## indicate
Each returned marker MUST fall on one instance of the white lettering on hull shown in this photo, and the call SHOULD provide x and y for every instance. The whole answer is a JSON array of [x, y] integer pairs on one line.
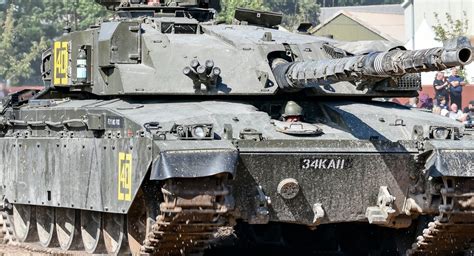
[[324, 164]]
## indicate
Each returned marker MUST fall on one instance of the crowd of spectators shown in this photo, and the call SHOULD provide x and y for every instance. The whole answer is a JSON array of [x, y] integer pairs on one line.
[[448, 98]]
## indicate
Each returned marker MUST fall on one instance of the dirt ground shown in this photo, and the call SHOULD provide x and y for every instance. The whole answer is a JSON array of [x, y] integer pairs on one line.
[[11, 250]]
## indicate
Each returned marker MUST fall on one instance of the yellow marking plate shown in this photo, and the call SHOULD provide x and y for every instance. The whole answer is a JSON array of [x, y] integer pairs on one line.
[[61, 63], [125, 177]]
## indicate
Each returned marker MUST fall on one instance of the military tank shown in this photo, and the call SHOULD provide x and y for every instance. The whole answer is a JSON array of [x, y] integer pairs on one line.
[[161, 131]]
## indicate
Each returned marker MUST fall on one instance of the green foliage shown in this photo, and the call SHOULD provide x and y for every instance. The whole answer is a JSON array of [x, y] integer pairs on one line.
[[228, 8], [15, 62], [28, 23], [462, 73], [451, 28], [85, 13], [295, 11], [332, 3]]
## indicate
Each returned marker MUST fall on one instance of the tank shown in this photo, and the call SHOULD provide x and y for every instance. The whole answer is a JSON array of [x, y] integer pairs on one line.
[[163, 132]]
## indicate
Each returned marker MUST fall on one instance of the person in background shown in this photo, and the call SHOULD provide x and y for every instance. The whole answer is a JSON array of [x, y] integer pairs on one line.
[[469, 108], [456, 83], [443, 103], [425, 102], [441, 85], [445, 112], [455, 113], [469, 112], [436, 110], [412, 102]]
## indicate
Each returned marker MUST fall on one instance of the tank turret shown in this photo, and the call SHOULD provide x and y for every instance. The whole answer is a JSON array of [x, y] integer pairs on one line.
[[152, 43]]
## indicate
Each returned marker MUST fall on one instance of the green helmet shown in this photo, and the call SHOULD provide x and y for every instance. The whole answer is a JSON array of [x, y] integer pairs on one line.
[[292, 109]]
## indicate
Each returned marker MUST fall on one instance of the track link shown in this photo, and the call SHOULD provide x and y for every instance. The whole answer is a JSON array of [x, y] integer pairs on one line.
[[452, 232], [6, 229], [190, 215]]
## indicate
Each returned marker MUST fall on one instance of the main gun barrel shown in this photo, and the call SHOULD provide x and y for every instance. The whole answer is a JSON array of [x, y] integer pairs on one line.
[[373, 66]]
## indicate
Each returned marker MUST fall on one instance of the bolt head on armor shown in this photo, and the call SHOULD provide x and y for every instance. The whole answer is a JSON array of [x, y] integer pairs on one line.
[[288, 188]]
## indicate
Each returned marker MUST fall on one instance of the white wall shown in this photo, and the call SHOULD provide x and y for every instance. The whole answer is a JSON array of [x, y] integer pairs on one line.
[[425, 9], [424, 20], [424, 38]]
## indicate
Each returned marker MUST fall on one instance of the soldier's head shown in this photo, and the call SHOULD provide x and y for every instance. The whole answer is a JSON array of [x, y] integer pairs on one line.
[[292, 112]]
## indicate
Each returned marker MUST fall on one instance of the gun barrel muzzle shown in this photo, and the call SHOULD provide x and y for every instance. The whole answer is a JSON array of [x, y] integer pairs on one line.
[[456, 57]]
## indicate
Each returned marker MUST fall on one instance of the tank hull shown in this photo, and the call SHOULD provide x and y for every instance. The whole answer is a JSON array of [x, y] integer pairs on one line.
[[122, 162]]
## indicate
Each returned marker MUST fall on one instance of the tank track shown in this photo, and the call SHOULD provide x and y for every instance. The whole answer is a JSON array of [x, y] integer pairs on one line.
[[7, 236], [452, 231], [190, 215], [6, 229]]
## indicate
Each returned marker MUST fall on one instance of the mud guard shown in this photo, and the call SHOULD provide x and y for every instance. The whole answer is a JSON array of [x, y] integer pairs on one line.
[[450, 158], [193, 159]]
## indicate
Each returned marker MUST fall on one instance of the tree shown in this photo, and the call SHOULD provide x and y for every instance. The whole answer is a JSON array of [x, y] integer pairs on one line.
[[30, 22], [451, 28], [228, 8], [15, 63], [86, 13], [332, 3], [295, 11]]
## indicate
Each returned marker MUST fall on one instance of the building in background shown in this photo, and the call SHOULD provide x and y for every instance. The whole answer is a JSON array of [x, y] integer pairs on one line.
[[328, 12], [355, 23]]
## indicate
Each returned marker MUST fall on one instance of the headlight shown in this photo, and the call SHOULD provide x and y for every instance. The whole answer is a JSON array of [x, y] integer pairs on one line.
[[440, 133], [199, 132]]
